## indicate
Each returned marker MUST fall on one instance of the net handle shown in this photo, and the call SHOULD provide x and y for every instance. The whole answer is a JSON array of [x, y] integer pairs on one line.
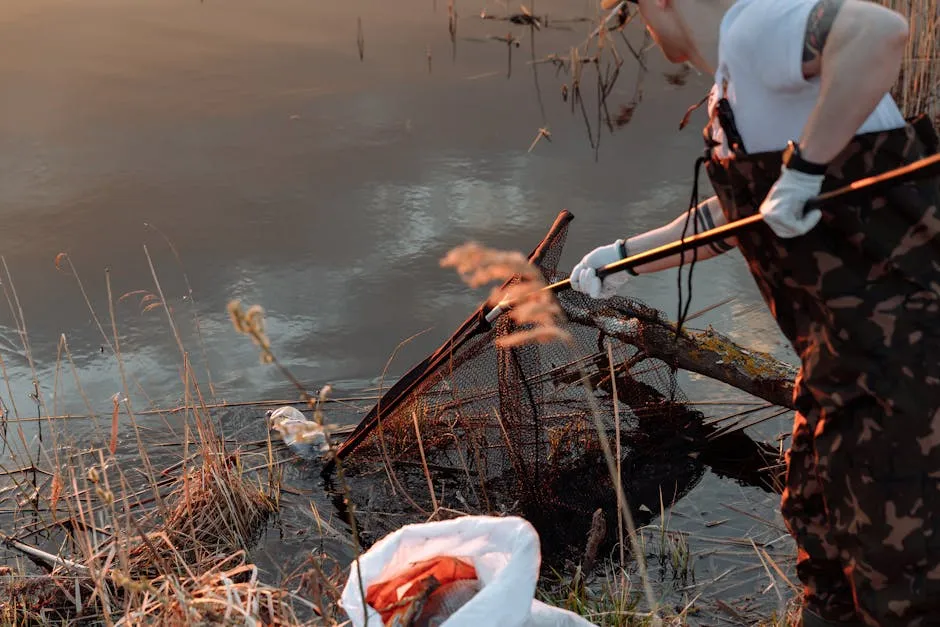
[[920, 169]]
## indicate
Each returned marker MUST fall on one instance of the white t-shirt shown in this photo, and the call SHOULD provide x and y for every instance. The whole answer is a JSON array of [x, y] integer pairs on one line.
[[760, 53]]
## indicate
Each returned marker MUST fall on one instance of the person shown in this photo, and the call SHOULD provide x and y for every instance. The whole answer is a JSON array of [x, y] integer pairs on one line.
[[801, 105]]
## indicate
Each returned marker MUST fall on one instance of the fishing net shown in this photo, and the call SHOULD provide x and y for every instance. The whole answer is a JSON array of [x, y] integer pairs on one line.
[[478, 428]]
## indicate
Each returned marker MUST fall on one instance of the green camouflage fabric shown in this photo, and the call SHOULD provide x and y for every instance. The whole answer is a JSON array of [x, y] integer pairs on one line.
[[859, 299]]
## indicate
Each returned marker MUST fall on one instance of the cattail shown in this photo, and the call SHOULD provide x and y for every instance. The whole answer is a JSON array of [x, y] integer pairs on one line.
[[535, 307]]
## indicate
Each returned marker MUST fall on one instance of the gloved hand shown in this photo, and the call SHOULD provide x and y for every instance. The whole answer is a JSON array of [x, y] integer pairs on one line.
[[784, 205], [584, 277]]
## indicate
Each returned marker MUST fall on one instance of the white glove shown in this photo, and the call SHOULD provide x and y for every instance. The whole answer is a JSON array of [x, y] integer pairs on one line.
[[584, 277], [784, 205]]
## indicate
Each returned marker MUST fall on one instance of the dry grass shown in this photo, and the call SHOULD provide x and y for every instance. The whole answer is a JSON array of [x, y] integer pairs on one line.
[[918, 88], [123, 543], [228, 592], [129, 554]]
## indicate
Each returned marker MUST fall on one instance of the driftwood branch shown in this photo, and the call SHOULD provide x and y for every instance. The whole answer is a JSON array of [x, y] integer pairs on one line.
[[712, 354], [42, 556], [704, 352]]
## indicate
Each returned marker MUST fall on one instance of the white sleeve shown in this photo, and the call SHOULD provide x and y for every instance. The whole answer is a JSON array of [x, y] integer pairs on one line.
[[769, 36]]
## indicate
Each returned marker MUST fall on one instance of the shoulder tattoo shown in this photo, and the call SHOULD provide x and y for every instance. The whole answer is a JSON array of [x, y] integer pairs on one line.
[[818, 27]]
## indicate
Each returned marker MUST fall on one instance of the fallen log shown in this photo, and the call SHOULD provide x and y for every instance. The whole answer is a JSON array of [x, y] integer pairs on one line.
[[707, 353]]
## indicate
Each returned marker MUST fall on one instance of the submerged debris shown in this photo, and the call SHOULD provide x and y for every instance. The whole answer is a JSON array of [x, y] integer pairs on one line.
[[305, 437]]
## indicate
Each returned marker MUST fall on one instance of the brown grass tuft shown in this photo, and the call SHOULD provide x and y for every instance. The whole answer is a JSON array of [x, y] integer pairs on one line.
[[212, 511], [226, 593]]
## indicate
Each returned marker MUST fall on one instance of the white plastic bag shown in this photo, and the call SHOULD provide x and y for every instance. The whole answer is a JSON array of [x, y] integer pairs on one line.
[[504, 551]]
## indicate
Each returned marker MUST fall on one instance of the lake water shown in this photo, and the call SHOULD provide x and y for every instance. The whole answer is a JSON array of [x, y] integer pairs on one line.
[[287, 172]]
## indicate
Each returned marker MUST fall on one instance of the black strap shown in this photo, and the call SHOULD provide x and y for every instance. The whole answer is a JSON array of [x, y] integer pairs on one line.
[[692, 215], [624, 253], [729, 126]]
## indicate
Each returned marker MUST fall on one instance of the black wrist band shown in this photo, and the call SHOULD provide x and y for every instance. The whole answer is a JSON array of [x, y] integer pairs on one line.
[[793, 160], [622, 247]]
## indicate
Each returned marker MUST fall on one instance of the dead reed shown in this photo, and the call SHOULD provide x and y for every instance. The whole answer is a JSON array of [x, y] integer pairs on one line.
[[918, 88], [178, 553], [121, 542], [537, 312]]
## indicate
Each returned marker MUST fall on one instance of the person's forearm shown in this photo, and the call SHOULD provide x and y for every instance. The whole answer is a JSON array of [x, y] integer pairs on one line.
[[709, 216], [859, 63]]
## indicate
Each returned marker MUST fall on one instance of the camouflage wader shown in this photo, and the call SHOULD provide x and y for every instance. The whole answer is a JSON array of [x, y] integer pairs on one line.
[[859, 299]]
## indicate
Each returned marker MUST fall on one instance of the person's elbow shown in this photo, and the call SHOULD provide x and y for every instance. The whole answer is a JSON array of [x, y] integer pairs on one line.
[[883, 31], [891, 34], [890, 37]]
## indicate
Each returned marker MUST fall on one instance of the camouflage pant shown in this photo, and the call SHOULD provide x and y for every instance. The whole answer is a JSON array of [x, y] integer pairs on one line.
[[859, 299], [862, 500]]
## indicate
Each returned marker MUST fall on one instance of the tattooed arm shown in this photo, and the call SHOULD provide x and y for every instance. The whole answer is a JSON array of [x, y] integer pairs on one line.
[[708, 216], [855, 47]]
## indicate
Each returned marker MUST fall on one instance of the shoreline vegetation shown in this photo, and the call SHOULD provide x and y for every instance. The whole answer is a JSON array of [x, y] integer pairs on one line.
[[103, 535]]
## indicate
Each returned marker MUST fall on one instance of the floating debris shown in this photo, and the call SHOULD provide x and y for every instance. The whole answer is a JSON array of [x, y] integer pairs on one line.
[[679, 77], [543, 132], [305, 437], [625, 115]]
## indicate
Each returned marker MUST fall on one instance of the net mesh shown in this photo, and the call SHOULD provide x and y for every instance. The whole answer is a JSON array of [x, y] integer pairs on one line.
[[478, 428]]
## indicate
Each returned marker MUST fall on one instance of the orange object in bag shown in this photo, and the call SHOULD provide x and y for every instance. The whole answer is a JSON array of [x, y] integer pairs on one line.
[[403, 595]]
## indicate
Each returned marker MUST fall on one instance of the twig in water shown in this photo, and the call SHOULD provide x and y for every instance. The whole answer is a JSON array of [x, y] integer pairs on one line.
[[741, 427], [61, 258], [120, 359], [600, 107], [43, 556], [424, 461], [16, 309], [6, 379], [533, 26], [192, 302], [114, 423], [360, 39], [773, 582], [769, 523], [543, 132], [35, 396], [619, 478], [595, 536], [452, 28], [731, 612], [704, 311]]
